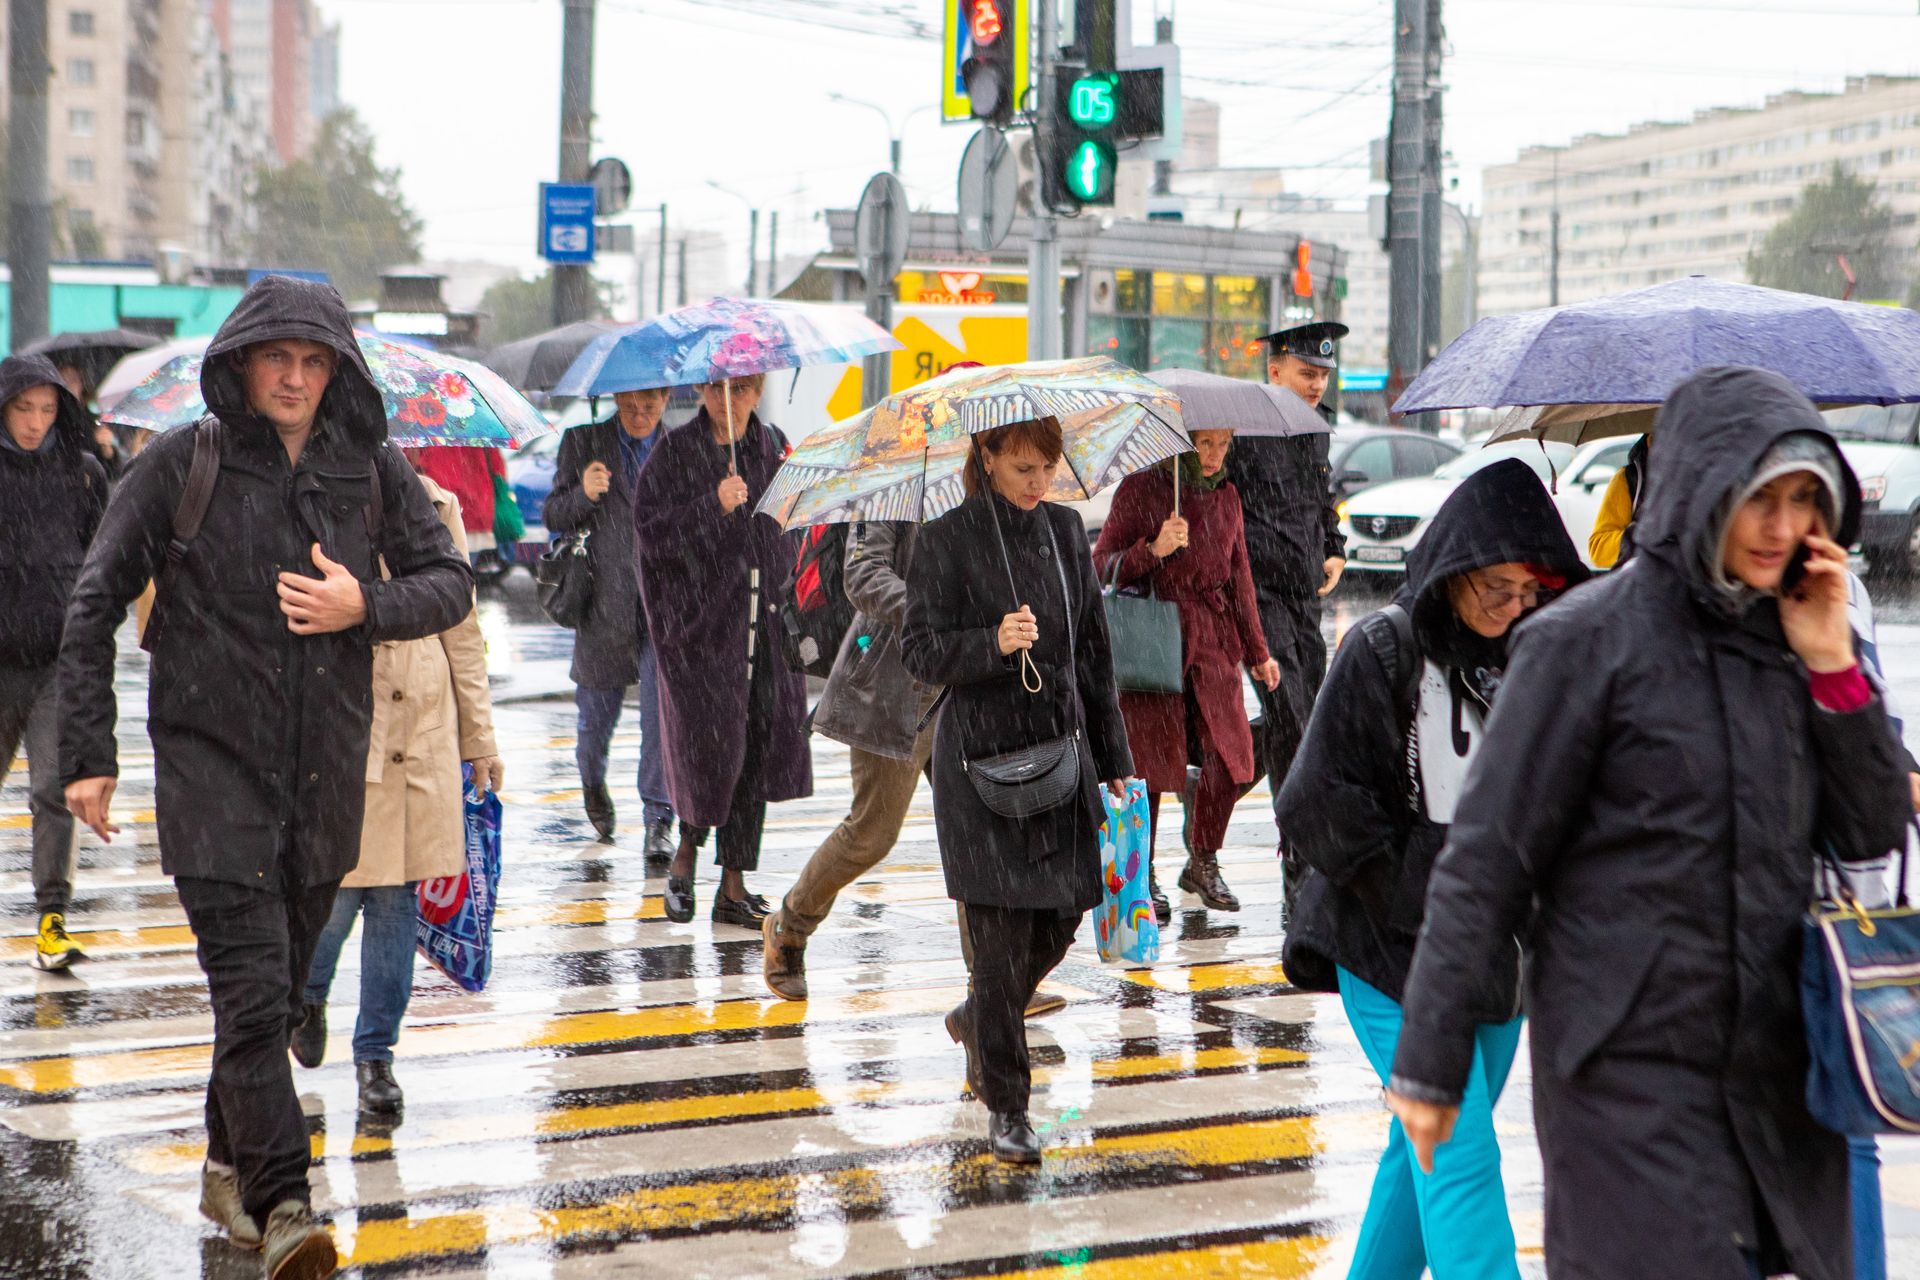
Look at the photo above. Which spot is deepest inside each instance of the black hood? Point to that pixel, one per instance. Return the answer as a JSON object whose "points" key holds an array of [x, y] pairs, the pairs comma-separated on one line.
{"points": [[1499, 515], [277, 308], [72, 429], [1714, 429]]}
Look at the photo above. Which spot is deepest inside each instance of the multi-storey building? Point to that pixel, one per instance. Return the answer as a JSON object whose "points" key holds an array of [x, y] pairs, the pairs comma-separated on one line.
{"points": [[1671, 199]]}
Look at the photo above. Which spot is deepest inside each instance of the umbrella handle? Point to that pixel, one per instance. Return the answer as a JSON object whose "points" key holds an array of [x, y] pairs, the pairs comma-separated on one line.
{"points": [[1174, 462], [733, 453]]}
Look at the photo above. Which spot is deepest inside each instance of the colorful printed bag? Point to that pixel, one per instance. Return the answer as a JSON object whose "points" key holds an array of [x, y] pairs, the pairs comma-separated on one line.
{"points": [[1124, 927], [453, 917]]}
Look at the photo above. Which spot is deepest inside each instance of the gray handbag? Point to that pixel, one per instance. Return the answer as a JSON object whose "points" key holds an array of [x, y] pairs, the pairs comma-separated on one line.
{"points": [[1031, 780], [1148, 654]]}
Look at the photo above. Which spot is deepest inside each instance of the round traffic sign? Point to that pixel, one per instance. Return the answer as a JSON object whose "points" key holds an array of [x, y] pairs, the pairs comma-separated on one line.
{"points": [[880, 229], [989, 186], [612, 186]]}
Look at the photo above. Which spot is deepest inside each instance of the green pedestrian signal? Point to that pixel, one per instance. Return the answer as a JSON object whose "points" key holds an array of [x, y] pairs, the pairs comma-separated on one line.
{"points": [[1089, 172]]}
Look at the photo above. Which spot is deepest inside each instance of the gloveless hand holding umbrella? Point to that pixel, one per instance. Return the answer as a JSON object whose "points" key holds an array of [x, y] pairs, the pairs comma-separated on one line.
{"points": [[1215, 402]]}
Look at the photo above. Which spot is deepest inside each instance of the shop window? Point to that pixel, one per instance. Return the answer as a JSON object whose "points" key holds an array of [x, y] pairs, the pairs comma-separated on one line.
{"points": [[1178, 344], [1239, 298], [1179, 294], [1122, 337]]}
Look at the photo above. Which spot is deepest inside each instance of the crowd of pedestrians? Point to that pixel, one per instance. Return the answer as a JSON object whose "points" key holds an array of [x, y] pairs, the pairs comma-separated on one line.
{"points": [[1520, 796]]}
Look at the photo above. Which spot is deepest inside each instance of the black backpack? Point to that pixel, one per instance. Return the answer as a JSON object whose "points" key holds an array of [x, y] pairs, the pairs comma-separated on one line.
{"points": [[197, 495], [815, 612]]}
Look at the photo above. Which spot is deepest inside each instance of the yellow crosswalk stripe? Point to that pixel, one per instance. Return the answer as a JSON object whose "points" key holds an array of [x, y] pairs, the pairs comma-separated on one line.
{"points": [[708, 1206], [180, 1157], [1207, 977], [1262, 1260]]}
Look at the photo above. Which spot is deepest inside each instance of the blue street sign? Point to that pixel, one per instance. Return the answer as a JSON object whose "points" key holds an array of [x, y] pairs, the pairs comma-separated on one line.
{"points": [[566, 222]]}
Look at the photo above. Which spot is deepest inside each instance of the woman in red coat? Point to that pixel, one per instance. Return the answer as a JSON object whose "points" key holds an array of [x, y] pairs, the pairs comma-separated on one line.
{"points": [[1198, 559]]}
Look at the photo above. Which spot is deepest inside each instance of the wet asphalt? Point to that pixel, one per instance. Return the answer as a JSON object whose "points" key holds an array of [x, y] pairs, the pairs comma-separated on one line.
{"points": [[627, 1098]]}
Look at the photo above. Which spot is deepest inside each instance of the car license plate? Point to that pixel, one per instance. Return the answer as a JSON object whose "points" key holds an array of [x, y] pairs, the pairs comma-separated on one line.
{"points": [[1379, 555]]}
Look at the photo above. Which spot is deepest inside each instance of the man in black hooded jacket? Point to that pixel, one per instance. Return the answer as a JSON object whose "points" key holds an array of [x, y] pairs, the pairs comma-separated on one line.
{"points": [[260, 699]]}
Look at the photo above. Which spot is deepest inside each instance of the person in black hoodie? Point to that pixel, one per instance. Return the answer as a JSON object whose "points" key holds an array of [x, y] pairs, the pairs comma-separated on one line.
{"points": [[52, 490], [1670, 747], [1367, 804], [260, 699]]}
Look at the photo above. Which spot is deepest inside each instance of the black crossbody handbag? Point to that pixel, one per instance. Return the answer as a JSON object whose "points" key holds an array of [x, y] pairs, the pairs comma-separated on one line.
{"points": [[563, 579], [1031, 780]]}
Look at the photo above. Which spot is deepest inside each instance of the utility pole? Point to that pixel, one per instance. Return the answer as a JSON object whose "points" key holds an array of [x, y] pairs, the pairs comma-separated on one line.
{"points": [[773, 251], [1043, 250], [753, 252], [683, 272], [1406, 163], [660, 277], [1432, 194], [30, 233], [573, 285], [1553, 240]]}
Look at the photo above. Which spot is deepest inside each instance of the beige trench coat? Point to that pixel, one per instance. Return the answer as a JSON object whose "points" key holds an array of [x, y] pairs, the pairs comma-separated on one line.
{"points": [[431, 710]]}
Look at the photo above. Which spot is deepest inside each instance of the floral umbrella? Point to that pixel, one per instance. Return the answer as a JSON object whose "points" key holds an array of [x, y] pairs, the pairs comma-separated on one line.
{"points": [[430, 398], [902, 458]]}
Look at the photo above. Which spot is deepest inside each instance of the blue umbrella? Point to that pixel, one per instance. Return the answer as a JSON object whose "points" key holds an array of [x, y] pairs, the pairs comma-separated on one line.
{"points": [[1634, 348], [724, 338]]}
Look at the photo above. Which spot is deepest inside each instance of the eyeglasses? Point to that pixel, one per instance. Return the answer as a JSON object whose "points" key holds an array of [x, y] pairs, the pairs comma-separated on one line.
{"points": [[1495, 598]]}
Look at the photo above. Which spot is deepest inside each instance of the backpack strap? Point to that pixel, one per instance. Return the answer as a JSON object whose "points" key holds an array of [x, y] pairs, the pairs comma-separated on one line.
{"points": [[1389, 633], [188, 514], [376, 512]]}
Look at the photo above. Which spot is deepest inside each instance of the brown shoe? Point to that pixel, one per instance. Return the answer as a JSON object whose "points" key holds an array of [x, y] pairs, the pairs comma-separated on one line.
{"points": [[1044, 1002], [1201, 876], [784, 962], [297, 1247]]}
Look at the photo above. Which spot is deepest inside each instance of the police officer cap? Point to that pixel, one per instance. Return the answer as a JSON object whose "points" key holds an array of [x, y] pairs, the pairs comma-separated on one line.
{"points": [[1310, 342]]}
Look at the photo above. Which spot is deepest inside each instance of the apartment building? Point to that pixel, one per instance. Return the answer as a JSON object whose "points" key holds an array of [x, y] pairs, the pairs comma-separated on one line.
{"points": [[1671, 199]]}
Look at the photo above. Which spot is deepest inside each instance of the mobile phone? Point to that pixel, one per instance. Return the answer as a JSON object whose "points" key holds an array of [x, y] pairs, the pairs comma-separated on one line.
{"points": [[1796, 570]]}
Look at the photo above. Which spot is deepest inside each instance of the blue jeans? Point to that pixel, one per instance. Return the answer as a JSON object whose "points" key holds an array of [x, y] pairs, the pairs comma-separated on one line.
{"points": [[386, 964], [599, 712], [1453, 1220], [1869, 1225]]}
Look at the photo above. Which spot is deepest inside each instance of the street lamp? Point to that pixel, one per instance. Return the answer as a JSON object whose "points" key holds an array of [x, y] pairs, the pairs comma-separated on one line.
{"points": [[893, 135], [753, 233]]}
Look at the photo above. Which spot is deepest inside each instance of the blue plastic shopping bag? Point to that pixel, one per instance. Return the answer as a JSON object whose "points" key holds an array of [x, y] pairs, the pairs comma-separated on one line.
{"points": [[1125, 929], [453, 917]]}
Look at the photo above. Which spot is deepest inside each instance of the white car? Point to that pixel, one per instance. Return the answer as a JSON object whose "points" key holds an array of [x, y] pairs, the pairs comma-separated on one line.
{"points": [[1383, 524]]}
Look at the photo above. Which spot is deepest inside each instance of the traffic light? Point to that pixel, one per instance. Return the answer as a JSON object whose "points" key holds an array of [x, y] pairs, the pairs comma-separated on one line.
{"points": [[1084, 158], [1303, 269], [989, 72]]}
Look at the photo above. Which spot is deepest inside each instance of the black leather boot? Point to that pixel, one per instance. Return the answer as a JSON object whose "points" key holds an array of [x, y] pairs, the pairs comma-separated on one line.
{"points": [[1162, 909], [1202, 877], [310, 1037], [599, 805], [960, 1027], [1011, 1137], [379, 1091]]}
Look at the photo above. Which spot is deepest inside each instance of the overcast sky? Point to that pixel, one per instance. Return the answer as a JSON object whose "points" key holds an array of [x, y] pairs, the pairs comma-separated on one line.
{"points": [[463, 94]]}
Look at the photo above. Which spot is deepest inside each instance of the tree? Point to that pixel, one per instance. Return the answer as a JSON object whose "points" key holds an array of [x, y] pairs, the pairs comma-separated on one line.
{"points": [[1842, 215], [517, 308], [336, 210]]}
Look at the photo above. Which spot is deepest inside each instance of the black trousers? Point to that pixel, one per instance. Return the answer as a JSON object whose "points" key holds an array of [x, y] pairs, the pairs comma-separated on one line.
{"points": [[738, 844], [1292, 626], [255, 946], [1012, 949]]}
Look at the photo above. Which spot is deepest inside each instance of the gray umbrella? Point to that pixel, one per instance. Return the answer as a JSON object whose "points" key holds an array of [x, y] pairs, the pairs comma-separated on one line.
{"points": [[1214, 402], [536, 363]]}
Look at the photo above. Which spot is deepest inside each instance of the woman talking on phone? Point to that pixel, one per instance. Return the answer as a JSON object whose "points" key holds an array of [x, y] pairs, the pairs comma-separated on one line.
{"points": [[1669, 748], [1003, 611]]}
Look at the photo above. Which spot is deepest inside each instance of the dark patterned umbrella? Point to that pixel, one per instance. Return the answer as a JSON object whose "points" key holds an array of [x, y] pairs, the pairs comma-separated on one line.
{"points": [[536, 363], [93, 351]]}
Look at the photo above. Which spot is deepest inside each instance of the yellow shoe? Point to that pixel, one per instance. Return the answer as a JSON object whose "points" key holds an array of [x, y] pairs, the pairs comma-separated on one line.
{"points": [[53, 949]]}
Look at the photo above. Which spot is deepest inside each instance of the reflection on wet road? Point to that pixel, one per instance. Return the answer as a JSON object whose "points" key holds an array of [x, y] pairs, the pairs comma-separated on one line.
{"points": [[627, 1099]]}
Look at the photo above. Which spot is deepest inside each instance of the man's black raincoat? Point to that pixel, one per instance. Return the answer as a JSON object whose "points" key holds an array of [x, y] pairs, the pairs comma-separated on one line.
{"points": [[1654, 780], [50, 504], [1350, 806], [259, 735]]}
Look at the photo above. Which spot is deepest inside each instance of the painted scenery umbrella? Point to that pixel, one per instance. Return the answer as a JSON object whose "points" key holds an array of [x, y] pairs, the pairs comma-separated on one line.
{"points": [[902, 459], [1591, 363], [430, 398]]}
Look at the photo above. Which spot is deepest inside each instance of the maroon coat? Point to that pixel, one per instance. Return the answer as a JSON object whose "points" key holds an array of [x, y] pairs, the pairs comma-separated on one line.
{"points": [[693, 562], [1219, 622]]}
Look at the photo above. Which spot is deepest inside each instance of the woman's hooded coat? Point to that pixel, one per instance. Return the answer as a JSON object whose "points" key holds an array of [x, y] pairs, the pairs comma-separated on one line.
{"points": [[1351, 806], [694, 561], [1655, 778]]}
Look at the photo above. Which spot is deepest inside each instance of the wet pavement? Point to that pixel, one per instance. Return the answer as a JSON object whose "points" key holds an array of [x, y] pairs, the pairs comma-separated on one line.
{"points": [[627, 1098]]}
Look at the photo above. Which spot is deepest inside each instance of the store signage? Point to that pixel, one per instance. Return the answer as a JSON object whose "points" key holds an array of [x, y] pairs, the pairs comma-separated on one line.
{"points": [[958, 288]]}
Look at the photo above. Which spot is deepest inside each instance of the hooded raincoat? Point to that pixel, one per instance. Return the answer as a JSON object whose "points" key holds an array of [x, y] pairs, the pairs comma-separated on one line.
{"points": [[694, 561], [260, 735], [1353, 803], [1655, 776], [50, 505]]}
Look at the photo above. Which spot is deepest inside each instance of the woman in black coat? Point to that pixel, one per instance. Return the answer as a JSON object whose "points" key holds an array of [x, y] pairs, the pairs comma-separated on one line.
{"points": [[1022, 668], [594, 481], [1669, 746], [1366, 805]]}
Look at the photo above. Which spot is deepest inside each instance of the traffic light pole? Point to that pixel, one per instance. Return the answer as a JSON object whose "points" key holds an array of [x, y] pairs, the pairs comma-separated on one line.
{"points": [[1043, 249], [30, 231], [573, 285]]}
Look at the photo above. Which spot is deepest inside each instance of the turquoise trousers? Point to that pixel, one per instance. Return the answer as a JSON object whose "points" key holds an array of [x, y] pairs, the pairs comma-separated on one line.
{"points": [[1454, 1220]]}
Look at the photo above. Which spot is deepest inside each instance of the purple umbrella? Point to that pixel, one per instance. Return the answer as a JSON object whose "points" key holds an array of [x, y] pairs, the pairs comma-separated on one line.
{"points": [[1633, 348]]}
